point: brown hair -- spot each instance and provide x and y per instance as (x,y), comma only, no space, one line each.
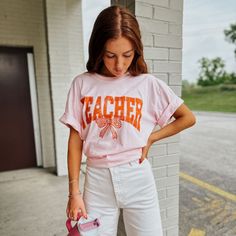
(111,23)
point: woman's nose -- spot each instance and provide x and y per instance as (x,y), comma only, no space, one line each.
(119,63)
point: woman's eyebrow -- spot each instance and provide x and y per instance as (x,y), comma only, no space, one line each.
(123,52)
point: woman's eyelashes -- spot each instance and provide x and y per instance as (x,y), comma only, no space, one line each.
(127,55)
(109,56)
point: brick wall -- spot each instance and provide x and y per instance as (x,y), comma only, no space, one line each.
(161,27)
(23,25)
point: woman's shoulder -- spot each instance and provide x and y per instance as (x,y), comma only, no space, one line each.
(80,78)
(155,84)
(152,79)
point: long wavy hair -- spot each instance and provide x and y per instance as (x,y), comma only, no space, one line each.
(112,23)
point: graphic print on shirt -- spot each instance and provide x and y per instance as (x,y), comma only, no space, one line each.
(108,124)
(110,111)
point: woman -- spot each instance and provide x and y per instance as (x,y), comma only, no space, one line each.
(111,111)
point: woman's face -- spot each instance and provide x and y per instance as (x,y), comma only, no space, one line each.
(118,56)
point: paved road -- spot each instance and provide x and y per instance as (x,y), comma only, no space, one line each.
(208,153)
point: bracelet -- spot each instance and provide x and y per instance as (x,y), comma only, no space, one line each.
(71,195)
(73,180)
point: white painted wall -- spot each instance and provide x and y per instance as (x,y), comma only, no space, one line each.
(90,11)
(161,26)
(65,47)
(23,25)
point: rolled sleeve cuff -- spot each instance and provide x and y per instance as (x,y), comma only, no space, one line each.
(69,120)
(169,111)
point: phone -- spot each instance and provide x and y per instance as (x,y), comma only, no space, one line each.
(89,228)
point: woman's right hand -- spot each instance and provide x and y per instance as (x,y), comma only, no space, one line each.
(75,205)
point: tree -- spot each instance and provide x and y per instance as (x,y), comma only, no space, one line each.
(212,71)
(230,35)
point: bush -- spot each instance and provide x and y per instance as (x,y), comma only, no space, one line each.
(227,87)
(213,73)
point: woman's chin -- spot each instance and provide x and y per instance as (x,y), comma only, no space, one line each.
(118,74)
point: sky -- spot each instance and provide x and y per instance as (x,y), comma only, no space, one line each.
(203,25)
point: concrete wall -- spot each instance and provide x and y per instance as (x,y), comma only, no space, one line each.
(65,47)
(161,27)
(22,24)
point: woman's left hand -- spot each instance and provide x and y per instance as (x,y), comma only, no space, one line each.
(144,153)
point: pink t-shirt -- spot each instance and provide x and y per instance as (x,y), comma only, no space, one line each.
(115,116)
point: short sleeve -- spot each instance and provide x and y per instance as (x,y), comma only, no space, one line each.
(73,109)
(166,102)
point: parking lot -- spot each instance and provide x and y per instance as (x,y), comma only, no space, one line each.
(207,178)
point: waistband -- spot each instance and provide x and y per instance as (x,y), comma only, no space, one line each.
(115,159)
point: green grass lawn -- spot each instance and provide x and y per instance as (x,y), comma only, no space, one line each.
(210,98)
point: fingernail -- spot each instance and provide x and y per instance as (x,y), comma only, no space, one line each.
(140,161)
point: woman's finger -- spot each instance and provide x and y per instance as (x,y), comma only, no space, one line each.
(144,154)
(67,210)
(83,212)
(73,215)
(141,159)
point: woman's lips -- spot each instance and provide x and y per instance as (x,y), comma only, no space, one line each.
(118,72)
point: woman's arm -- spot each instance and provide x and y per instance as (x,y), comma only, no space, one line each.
(184,119)
(75,145)
(75,203)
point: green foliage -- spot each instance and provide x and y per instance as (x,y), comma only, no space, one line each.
(216,88)
(213,72)
(228,87)
(230,35)
(229,78)
(221,98)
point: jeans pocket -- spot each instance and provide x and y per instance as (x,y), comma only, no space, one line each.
(144,160)
(137,162)
(134,162)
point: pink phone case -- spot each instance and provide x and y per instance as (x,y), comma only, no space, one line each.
(89,225)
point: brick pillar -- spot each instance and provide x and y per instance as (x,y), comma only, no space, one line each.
(161,28)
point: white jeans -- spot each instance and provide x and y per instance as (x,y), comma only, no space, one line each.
(129,186)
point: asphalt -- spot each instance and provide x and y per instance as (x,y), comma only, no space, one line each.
(208,152)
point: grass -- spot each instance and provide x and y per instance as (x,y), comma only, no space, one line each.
(211,98)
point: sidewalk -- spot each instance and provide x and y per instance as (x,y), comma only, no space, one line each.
(33,202)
